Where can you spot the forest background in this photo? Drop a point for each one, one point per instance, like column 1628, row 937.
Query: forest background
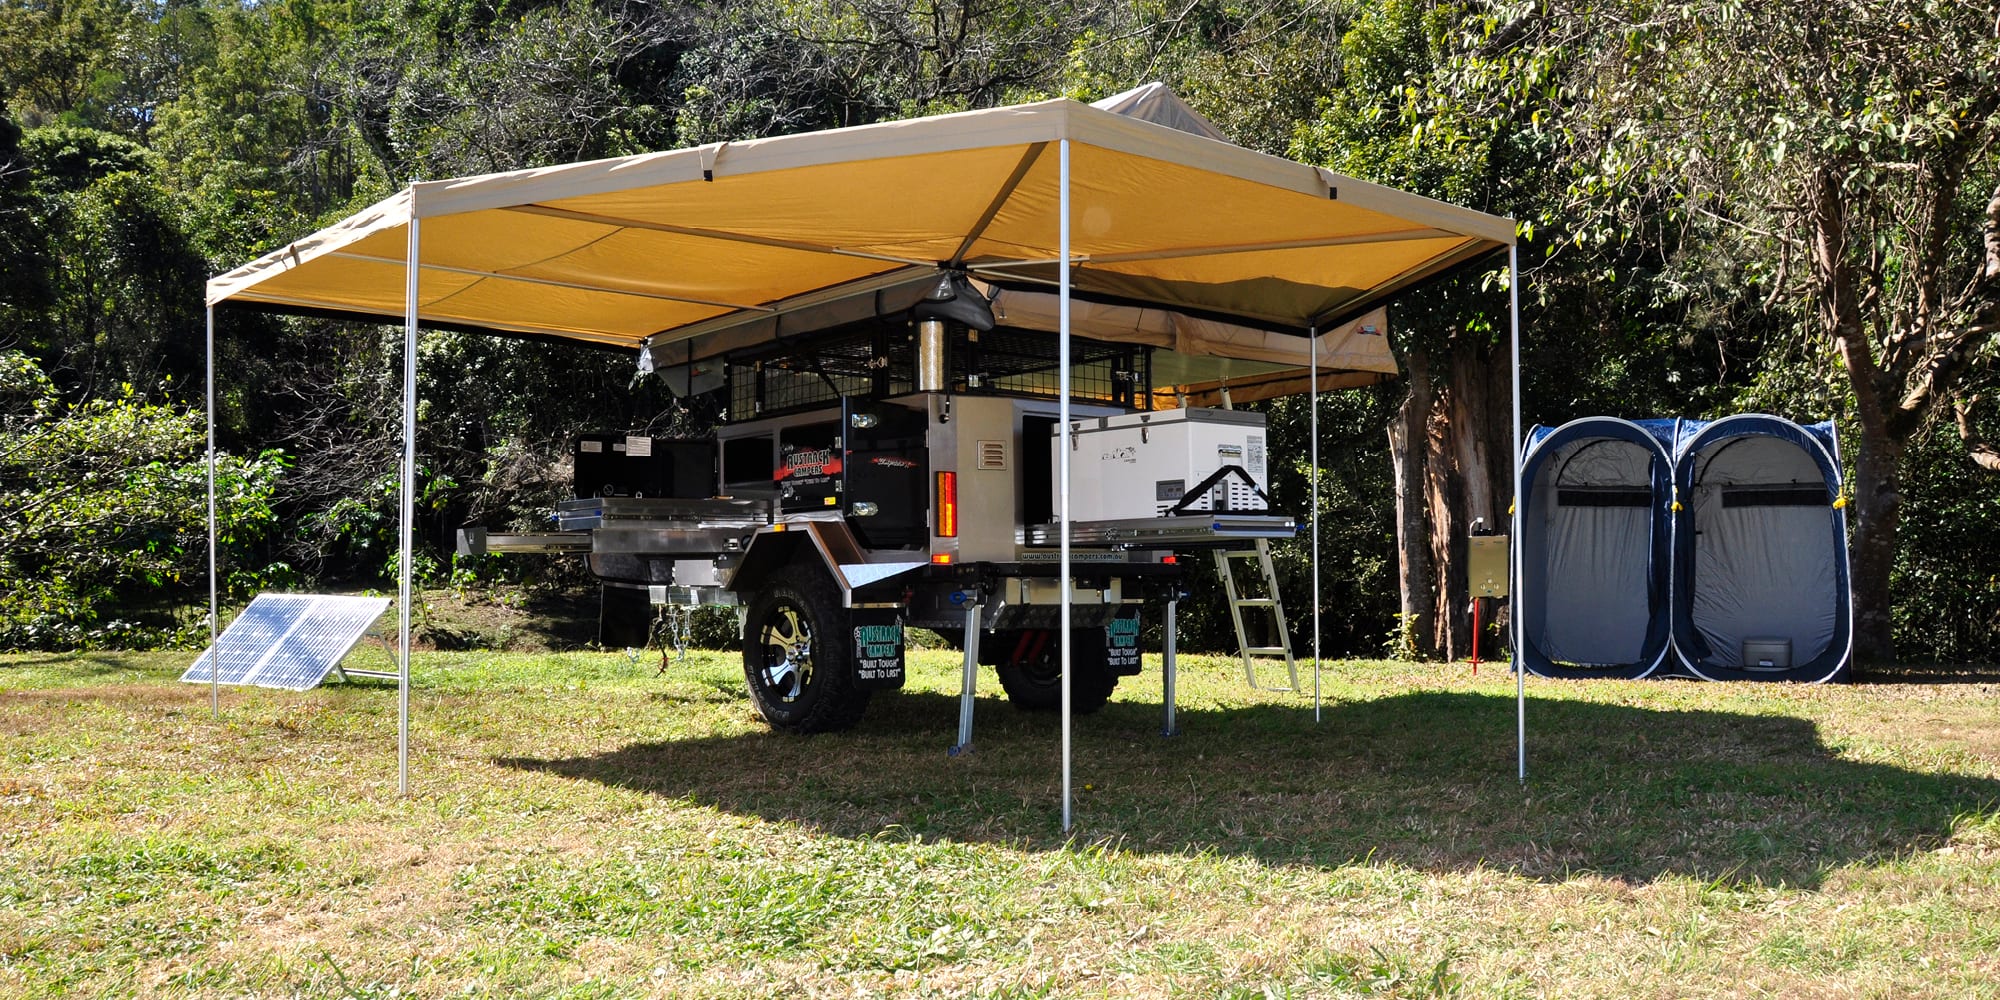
column 1725, row 205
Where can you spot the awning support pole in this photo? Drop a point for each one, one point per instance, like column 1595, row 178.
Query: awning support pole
column 411, row 270
column 970, row 676
column 1062, row 457
column 1312, row 337
column 1514, row 587
column 1167, row 666
column 214, row 663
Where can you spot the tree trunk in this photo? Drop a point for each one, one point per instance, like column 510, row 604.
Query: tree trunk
column 1877, row 508
column 1408, row 455
column 1444, row 517
column 1465, row 429
column 1450, row 446
column 1885, row 428
column 1481, row 413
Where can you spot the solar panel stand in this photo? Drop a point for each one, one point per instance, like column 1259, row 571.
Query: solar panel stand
column 346, row 675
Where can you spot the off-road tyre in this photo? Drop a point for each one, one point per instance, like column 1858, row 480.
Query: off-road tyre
column 798, row 654
column 1034, row 682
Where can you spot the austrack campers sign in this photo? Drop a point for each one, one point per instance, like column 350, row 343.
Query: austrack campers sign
column 1121, row 645
column 878, row 652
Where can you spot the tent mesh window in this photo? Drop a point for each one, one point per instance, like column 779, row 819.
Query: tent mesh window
column 1775, row 496
column 1604, row 496
column 880, row 361
column 788, row 378
column 1023, row 363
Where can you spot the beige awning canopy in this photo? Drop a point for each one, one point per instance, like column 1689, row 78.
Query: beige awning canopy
column 1218, row 258
column 717, row 247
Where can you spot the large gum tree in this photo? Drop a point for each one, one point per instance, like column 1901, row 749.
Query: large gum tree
column 1850, row 146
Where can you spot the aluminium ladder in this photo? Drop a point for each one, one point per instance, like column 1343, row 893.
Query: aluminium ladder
column 1237, row 602
column 1224, row 558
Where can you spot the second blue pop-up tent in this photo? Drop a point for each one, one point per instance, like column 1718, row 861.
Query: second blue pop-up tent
column 1760, row 551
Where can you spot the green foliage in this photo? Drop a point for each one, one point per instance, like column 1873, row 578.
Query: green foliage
column 69, row 158
column 68, row 60
column 1947, row 573
column 103, row 513
column 1256, row 70
column 1651, row 149
column 117, row 300
column 24, row 264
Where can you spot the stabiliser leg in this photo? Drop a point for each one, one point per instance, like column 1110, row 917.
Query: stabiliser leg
column 968, row 680
column 1169, row 727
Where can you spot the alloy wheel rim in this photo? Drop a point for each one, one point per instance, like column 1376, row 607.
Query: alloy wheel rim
column 788, row 653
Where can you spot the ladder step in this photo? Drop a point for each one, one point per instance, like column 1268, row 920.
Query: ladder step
column 1225, row 565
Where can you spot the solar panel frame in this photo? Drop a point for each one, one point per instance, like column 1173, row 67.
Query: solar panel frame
column 287, row 641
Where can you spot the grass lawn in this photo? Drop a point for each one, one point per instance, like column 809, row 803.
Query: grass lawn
column 580, row 827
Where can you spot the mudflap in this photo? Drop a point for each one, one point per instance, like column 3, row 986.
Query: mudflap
column 1121, row 643
column 877, row 635
column 624, row 616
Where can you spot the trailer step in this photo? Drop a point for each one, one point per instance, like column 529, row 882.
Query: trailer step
column 1224, row 567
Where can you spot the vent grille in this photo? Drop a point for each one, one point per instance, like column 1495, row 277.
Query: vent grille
column 993, row 455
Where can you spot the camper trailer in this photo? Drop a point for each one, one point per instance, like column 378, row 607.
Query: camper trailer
column 903, row 470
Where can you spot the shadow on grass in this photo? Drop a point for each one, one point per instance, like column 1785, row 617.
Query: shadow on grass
column 1425, row 780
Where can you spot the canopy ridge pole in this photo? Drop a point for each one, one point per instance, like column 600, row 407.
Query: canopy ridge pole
column 1312, row 338
column 1514, row 508
column 999, row 201
column 473, row 272
column 412, row 269
column 712, row 234
column 214, row 662
column 1062, row 453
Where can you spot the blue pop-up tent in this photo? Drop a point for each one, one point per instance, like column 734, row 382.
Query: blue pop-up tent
column 1596, row 548
column 1760, row 551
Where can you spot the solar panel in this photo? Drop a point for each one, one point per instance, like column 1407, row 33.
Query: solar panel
column 288, row 641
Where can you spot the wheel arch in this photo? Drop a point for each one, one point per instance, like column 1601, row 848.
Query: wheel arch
column 778, row 546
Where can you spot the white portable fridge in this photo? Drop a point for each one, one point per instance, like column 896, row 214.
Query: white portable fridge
column 1143, row 465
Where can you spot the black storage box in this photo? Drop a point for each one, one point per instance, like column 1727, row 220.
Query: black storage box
column 622, row 465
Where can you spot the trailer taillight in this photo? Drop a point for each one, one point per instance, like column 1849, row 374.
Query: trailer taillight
column 947, row 504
